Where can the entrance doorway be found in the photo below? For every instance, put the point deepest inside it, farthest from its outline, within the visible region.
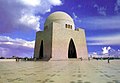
(41, 50)
(72, 50)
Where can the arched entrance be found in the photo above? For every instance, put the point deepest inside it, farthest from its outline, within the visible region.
(72, 50)
(41, 50)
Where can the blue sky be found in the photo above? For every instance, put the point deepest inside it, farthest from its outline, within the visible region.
(21, 19)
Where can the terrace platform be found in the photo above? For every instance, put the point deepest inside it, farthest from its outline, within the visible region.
(70, 71)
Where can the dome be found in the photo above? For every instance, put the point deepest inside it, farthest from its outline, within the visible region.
(59, 17)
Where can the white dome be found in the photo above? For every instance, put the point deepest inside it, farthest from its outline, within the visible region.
(59, 17)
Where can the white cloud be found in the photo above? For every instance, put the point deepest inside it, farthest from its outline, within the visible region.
(16, 47)
(31, 2)
(16, 42)
(106, 50)
(104, 40)
(95, 53)
(23, 14)
(118, 2)
(107, 22)
(76, 18)
(55, 2)
(30, 21)
(101, 10)
(117, 7)
(3, 51)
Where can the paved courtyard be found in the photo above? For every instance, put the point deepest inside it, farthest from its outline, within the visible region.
(71, 71)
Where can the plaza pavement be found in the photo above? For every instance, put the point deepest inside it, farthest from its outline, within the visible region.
(70, 71)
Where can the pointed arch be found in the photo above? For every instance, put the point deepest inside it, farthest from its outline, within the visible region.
(41, 50)
(72, 50)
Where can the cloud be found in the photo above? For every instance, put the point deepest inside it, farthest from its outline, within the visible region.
(101, 10)
(76, 18)
(117, 7)
(30, 21)
(102, 23)
(16, 41)
(106, 50)
(23, 14)
(31, 2)
(104, 40)
(17, 47)
(118, 2)
(55, 2)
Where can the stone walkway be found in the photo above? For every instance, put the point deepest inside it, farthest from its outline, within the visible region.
(72, 71)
